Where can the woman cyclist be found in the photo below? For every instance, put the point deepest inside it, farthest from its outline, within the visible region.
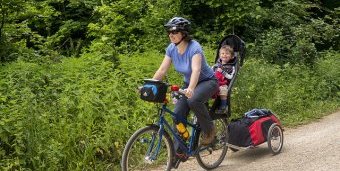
(200, 83)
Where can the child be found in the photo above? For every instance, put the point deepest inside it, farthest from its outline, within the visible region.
(224, 72)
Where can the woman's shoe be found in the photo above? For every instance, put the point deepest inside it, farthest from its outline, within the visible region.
(208, 138)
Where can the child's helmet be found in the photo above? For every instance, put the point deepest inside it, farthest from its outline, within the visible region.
(178, 24)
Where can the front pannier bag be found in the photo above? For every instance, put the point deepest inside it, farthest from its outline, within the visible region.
(153, 91)
(252, 129)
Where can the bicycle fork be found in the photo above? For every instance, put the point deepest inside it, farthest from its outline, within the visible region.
(155, 145)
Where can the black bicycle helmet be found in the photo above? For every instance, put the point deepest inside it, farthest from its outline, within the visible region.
(178, 24)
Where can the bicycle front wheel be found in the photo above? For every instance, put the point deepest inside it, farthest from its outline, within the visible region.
(145, 151)
(211, 156)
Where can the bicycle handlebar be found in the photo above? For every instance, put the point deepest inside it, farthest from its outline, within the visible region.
(175, 91)
(178, 94)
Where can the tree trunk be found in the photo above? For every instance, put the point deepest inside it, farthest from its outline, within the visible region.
(3, 14)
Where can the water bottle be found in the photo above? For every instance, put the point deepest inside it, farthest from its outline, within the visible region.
(183, 131)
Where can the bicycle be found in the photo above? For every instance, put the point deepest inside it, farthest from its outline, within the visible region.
(152, 147)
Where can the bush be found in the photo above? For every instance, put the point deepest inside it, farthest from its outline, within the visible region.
(63, 116)
(72, 115)
(328, 74)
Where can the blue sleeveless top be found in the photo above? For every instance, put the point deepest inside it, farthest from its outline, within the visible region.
(182, 63)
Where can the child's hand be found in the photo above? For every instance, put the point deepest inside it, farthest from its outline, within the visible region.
(219, 69)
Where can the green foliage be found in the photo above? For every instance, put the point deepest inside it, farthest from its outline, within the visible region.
(291, 35)
(63, 116)
(69, 27)
(72, 115)
(219, 17)
(77, 113)
(329, 73)
(44, 26)
(12, 32)
(129, 26)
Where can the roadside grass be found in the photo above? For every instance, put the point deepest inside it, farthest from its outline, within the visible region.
(317, 111)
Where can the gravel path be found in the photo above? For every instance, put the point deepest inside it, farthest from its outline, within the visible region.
(312, 147)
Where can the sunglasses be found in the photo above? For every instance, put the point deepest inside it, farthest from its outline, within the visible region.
(173, 32)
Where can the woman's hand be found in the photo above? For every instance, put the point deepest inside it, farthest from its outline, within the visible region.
(219, 69)
(189, 92)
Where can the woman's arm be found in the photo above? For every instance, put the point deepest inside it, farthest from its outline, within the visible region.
(163, 68)
(196, 70)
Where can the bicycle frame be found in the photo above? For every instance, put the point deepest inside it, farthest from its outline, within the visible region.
(163, 124)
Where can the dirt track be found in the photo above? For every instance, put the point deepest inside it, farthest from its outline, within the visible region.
(311, 147)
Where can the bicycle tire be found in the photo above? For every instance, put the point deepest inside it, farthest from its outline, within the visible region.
(141, 141)
(212, 156)
(275, 138)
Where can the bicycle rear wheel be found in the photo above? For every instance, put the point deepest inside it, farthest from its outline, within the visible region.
(211, 156)
(144, 152)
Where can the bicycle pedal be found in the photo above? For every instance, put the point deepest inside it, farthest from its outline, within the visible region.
(182, 157)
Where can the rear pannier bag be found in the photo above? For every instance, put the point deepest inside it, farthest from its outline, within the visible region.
(153, 91)
(259, 129)
(239, 132)
(251, 131)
